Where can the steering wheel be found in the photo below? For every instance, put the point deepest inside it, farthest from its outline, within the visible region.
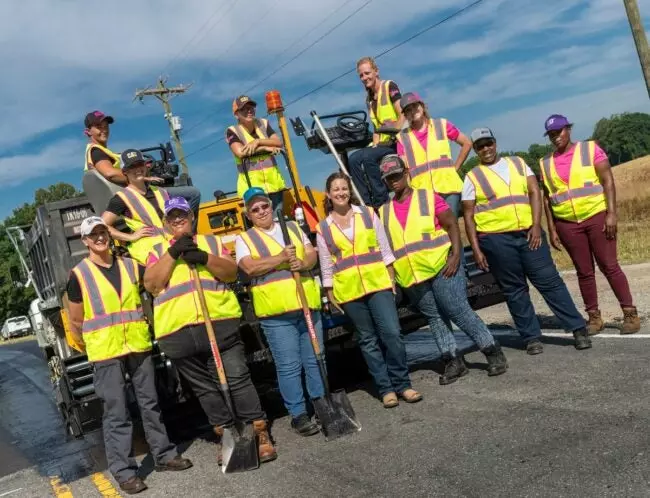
(351, 124)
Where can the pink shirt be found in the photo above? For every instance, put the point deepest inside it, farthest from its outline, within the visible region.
(563, 161)
(325, 257)
(401, 209)
(422, 135)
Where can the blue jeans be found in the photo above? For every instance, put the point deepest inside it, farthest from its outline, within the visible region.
(288, 339)
(375, 319)
(512, 262)
(368, 159)
(453, 201)
(448, 296)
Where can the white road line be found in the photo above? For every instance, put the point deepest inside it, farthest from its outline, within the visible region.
(605, 336)
(9, 492)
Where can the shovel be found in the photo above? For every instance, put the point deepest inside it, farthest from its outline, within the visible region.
(239, 446)
(334, 410)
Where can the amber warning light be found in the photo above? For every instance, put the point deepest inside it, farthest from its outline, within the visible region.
(273, 102)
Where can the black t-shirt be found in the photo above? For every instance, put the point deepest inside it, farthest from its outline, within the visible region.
(119, 208)
(112, 274)
(393, 92)
(232, 138)
(96, 155)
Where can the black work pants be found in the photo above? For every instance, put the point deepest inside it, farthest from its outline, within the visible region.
(189, 349)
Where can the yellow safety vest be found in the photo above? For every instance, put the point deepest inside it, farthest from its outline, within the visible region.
(386, 114)
(115, 158)
(501, 207)
(359, 268)
(431, 168)
(275, 293)
(113, 325)
(420, 250)
(178, 305)
(263, 170)
(143, 214)
(583, 197)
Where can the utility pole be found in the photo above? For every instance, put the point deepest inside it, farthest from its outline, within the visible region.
(164, 94)
(640, 40)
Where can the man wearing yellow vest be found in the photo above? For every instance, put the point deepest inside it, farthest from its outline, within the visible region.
(141, 207)
(581, 212)
(253, 143)
(108, 163)
(106, 317)
(425, 239)
(263, 255)
(180, 324)
(502, 207)
(383, 102)
(425, 148)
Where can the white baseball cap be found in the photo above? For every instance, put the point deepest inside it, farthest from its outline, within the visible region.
(89, 223)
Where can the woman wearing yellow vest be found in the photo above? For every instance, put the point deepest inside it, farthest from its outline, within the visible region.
(357, 271)
(382, 100)
(106, 318)
(425, 239)
(140, 206)
(424, 147)
(502, 207)
(581, 211)
(98, 156)
(264, 257)
(252, 140)
(180, 324)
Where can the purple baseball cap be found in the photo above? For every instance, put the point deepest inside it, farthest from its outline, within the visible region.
(177, 203)
(96, 117)
(410, 98)
(556, 122)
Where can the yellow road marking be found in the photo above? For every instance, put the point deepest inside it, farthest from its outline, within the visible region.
(60, 489)
(104, 485)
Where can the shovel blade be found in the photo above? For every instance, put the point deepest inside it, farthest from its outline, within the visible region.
(336, 415)
(239, 449)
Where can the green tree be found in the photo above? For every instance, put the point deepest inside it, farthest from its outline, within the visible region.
(624, 136)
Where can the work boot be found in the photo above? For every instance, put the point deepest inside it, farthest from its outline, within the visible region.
(133, 485)
(595, 323)
(497, 363)
(455, 368)
(535, 347)
(631, 321)
(582, 338)
(304, 426)
(175, 464)
(266, 450)
(218, 431)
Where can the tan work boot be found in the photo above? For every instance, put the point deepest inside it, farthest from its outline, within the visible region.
(218, 431)
(266, 449)
(595, 323)
(631, 321)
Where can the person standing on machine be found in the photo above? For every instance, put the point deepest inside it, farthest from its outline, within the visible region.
(253, 144)
(383, 102)
(424, 147)
(106, 317)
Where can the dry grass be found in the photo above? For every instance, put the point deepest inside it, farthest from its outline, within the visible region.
(633, 201)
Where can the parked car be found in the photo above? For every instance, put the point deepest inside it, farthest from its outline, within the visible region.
(16, 326)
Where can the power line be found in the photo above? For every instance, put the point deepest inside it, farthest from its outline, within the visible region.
(381, 54)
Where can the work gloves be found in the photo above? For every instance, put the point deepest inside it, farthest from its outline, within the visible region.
(196, 257)
(181, 246)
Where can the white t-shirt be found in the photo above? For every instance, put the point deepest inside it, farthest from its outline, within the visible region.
(242, 250)
(501, 168)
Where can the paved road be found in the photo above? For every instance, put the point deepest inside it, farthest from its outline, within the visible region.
(564, 423)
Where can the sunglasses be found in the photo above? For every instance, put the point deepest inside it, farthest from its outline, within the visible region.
(260, 208)
(178, 216)
(94, 236)
(483, 144)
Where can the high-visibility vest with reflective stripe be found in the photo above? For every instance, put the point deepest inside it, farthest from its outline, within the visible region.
(501, 207)
(420, 250)
(115, 158)
(113, 325)
(431, 168)
(583, 197)
(263, 170)
(275, 293)
(359, 268)
(178, 305)
(143, 214)
(386, 115)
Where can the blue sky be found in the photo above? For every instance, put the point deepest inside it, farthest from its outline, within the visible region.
(506, 64)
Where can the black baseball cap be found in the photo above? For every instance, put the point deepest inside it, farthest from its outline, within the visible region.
(132, 157)
(241, 101)
(96, 117)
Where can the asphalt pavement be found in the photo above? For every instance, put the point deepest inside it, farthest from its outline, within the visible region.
(564, 423)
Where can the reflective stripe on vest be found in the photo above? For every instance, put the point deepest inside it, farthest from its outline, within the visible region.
(137, 204)
(115, 158)
(584, 196)
(386, 115)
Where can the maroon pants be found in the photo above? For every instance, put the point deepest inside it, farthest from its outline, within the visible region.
(585, 242)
